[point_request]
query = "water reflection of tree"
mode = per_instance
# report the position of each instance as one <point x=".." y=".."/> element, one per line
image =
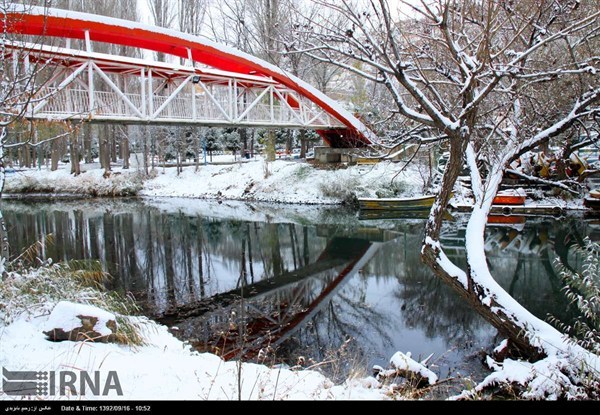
<point x="172" y="258"/>
<point x="345" y="317"/>
<point x="163" y="258"/>
<point x="529" y="274"/>
<point x="428" y="303"/>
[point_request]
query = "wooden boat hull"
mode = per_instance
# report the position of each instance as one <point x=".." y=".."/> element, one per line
<point x="506" y="219"/>
<point x="510" y="200"/>
<point x="592" y="203"/>
<point x="397" y="204"/>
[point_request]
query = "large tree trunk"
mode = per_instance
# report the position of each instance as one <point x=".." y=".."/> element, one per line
<point x="463" y="283"/>
<point x="453" y="168"/>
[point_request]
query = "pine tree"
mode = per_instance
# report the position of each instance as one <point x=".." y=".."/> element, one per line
<point x="212" y="143"/>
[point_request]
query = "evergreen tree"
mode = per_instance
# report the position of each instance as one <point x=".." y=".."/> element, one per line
<point x="212" y="142"/>
<point x="232" y="141"/>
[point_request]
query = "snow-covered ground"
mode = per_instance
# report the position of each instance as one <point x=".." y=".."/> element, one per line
<point x="90" y="183"/>
<point x="166" y="369"/>
<point x="281" y="181"/>
<point x="163" y="369"/>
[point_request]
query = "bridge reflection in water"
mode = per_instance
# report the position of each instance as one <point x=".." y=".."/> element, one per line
<point x="264" y="314"/>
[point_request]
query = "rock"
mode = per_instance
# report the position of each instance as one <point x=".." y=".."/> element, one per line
<point x="412" y="370"/>
<point x="80" y="322"/>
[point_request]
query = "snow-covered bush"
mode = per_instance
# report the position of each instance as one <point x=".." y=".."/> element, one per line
<point x="552" y="378"/>
<point x="303" y="171"/>
<point x="341" y="187"/>
<point x="93" y="183"/>
<point x="392" y="189"/>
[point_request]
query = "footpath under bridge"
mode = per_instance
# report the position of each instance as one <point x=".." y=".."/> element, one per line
<point x="211" y="85"/>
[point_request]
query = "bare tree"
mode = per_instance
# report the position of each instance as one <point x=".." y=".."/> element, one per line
<point x="18" y="72"/>
<point x="192" y="14"/>
<point x="163" y="12"/>
<point x="493" y="80"/>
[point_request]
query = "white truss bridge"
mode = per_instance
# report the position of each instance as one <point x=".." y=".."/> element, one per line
<point x="82" y="85"/>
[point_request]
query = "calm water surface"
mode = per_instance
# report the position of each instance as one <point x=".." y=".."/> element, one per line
<point x="298" y="284"/>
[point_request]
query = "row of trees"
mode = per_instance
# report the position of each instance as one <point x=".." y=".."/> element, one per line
<point x="34" y="144"/>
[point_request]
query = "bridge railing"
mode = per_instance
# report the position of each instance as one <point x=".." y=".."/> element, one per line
<point x="74" y="103"/>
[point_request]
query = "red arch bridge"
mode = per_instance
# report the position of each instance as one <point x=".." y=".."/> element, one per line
<point x="210" y="84"/>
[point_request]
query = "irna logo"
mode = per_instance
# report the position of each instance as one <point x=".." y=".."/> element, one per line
<point x="67" y="382"/>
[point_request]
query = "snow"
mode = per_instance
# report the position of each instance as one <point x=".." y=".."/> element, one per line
<point x="404" y="362"/>
<point x="512" y="192"/>
<point x="65" y="317"/>
<point x="280" y="181"/>
<point x="90" y="183"/>
<point x="545" y="379"/>
<point x="166" y="368"/>
<point x="287" y="182"/>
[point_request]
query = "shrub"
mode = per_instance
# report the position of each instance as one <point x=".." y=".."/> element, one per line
<point x="583" y="290"/>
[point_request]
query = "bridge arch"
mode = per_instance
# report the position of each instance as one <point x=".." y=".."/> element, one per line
<point x="66" y="24"/>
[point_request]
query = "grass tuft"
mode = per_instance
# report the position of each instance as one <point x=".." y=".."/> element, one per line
<point x="35" y="291"/>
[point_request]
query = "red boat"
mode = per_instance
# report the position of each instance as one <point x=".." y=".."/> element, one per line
<point x="506" y="219"/>
<point x="510" y="197"/>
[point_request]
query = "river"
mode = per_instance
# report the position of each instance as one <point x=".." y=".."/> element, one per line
<point x="308" y="286"/>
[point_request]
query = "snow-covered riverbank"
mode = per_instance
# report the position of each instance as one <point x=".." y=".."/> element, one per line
<point x="163" y="369"/>
<point x="280" y="181"/>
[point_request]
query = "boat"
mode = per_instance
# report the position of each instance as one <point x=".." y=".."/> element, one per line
<point x="397" y="203"/>
<point x="510" y="197"/>
<point x="591" y="202"/>
<point x="495" y="219"/>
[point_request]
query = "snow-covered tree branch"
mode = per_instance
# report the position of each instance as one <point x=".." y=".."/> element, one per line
<point x="498" y="79"/>
<point x="18" y="91"/>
